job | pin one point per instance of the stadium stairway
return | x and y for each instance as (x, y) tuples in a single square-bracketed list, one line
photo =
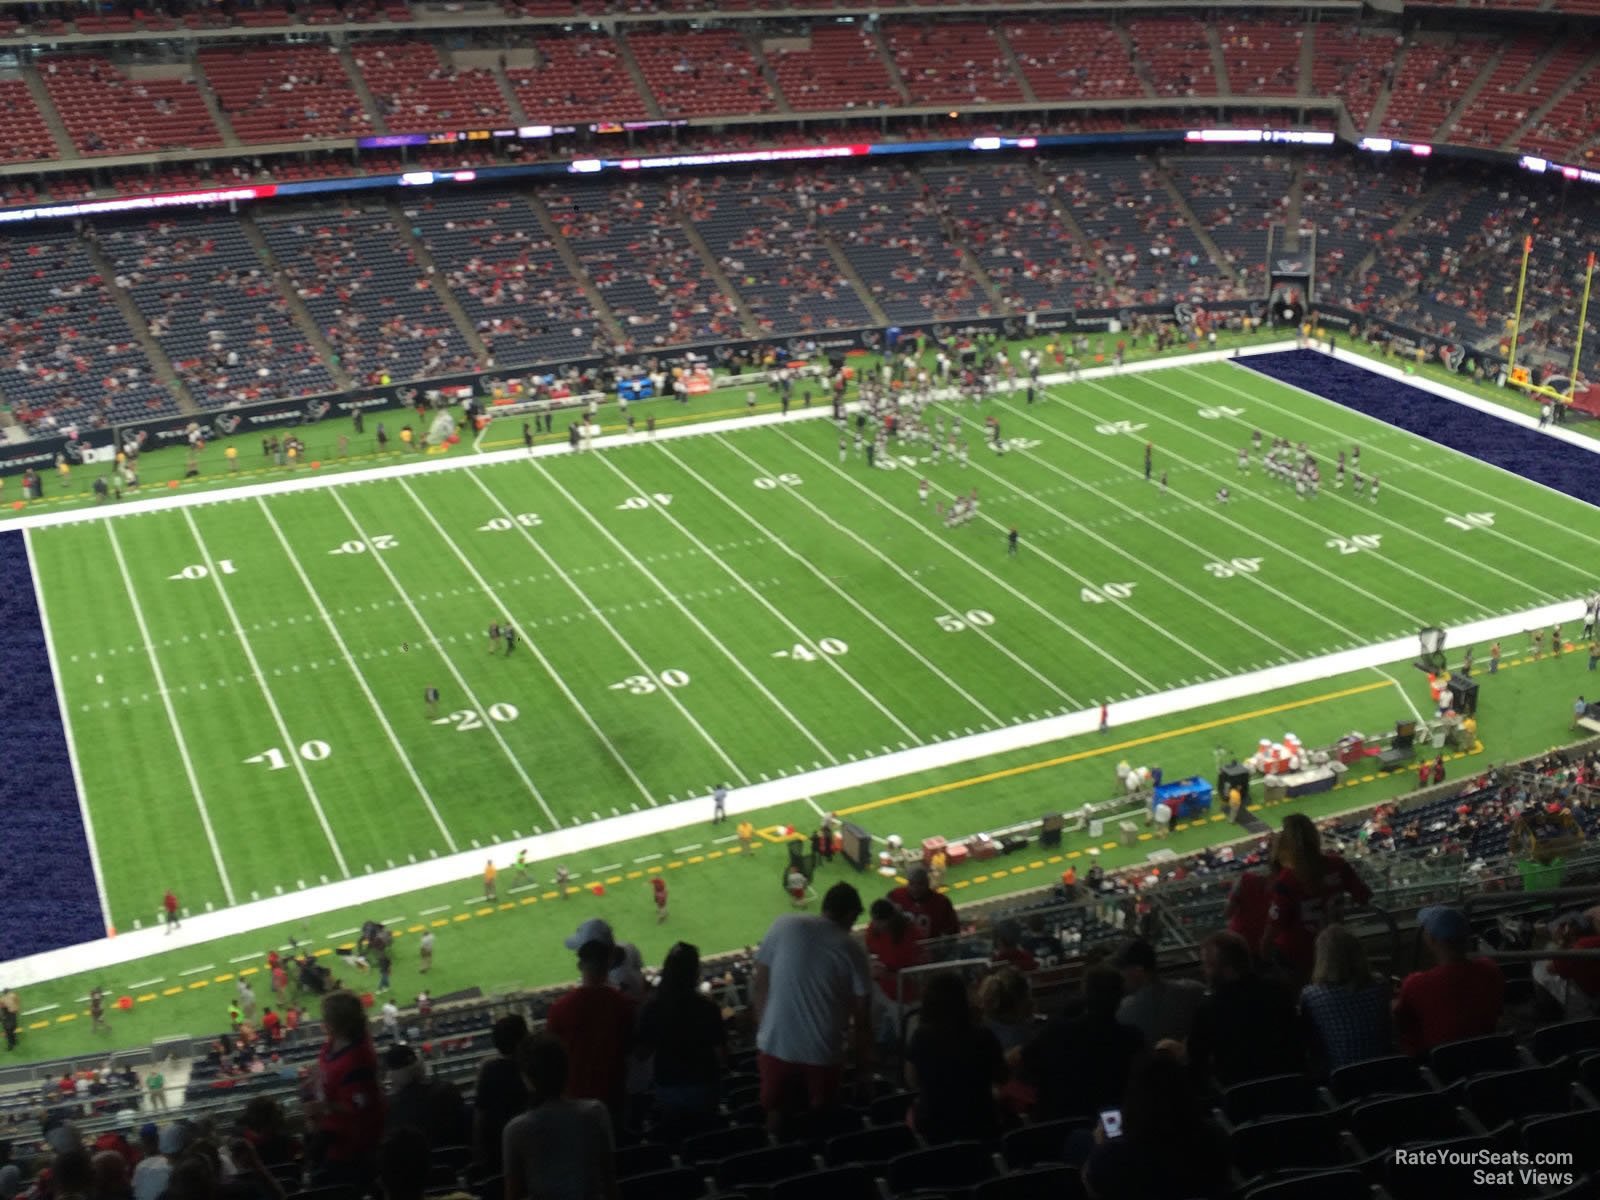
[(47, 109), (447, 298), (752, 41), (369, 102), (491, 64), (1401, 226), (1219, 64), (635, 73), (601, 310), (297, 307), (1308, 58), (1568, 85), (1201, 233), (160, 364), (747, 319), (1380, 105), (898, 80), (1470, 96), (219, 118), (1140, 70), (848, 270), (1064, 211), (1010, 54)]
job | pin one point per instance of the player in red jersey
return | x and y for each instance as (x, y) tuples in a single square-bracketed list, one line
[(659, 886)]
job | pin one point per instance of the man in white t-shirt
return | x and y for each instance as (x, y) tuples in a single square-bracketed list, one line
[(811, 989)]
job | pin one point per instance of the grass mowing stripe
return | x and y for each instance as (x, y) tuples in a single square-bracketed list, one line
[(628, 647), (66, 730), (828, 659), (290, 751), (1098, 650), (1086, 582), (673, 599), (1253, 630), (1416, 462), (944, 606), (823, 579), (360, 678), (1284, 544), (1407, 532), (172, 716), (483, 712), (1265, 541)]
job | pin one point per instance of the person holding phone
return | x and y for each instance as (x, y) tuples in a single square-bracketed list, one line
[(1161, 1144)]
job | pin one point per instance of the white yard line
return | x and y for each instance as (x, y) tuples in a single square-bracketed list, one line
[(943, 605), (1403, 695), (628, 647), (266, 692), (949, 546), (1297, 514), (1262, 540), (1159, 579), (172, 717), (1162, 632), (490, 724), (822, 578), (1411, 464), (361, 679), (672, 598), (1370, 511), (66, 728), (794, 630)]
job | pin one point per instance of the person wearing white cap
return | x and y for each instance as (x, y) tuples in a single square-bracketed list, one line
[(627, 964), (1460, 997)]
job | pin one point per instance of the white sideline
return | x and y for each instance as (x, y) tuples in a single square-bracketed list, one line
[(279, 910)]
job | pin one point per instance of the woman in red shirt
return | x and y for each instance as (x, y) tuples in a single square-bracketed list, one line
[(895, 943), (348, 1103), (1308, 893)]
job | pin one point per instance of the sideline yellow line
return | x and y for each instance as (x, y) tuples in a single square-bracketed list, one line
[(1111, 748)]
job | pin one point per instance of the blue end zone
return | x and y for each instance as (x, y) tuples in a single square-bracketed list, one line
[(47, 889), (1527, 452)]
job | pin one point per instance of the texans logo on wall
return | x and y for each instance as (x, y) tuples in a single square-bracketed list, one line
[(1183, 312), (869, 338), (1453, 356), (227, 424), (1290, 266), (1258, 310), (317, 409), (76, 449)]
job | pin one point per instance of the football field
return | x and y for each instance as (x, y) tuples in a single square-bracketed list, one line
[(245, 680)]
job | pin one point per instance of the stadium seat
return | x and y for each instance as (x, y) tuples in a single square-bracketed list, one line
[(1045, 1142), (680, 1183), (1583, 1188), (837, 1183), (1568, 1037), (327, 1193), (1454, 1061), (890, 1109), (1041, 1183), (1450, 1177), (1286, 1144), (872, 1147), (1509, 1095), (1391, 1075), (939, 1168), (1273, 1096), (722, 1143), (1322, 1185), (490, 1187), (637, 1160), (766, 1165), (1577, 1133), (1401, 1120)]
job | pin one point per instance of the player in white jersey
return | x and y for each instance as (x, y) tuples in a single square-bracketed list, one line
[(844, 449), (1373, 494), (922, 493), (1244, 461), (1222, 495)]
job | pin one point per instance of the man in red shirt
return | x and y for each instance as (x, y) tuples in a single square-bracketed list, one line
[(1008, 948), (1574, 983), (932, 911), (169, 904), (1461, 997), (271, 1025), (595, 1023)]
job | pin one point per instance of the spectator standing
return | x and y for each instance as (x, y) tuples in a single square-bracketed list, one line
[(1458, 997), (594, 1022), (684, 1030), (954, 1064), (809, 990), (561, 1147), (348, 1108), (1246, 910), (895, 943), (1169, 1149), (1080, 1064), (500, 1093), (1309, 892), (1246, 1027), (432, 1107), (1006, 1002), (934, 914), (155, 1168), (1345, 1007), (1160, 1009)]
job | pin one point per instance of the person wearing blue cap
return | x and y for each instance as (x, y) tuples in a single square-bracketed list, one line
[(1459, 997)]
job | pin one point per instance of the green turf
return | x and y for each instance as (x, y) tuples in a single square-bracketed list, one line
[(739, 606)]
